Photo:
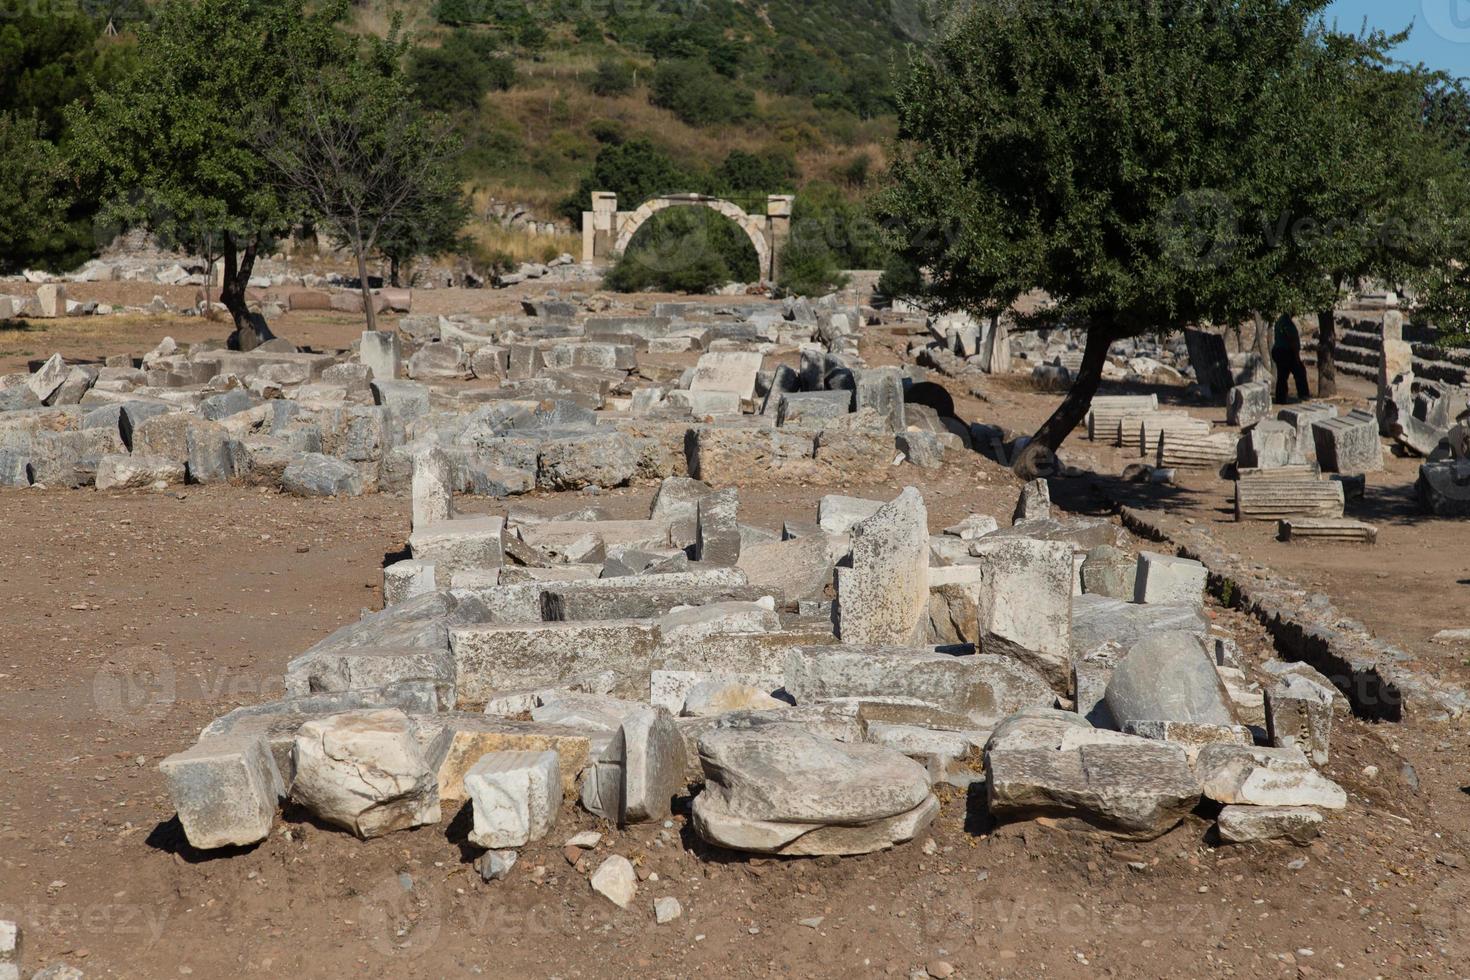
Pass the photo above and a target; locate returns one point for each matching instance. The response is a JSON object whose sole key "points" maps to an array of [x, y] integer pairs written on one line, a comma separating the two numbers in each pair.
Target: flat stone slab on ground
{"points": [[1253, 824], [782, 790], [981, 687], [1170, 581], [733, 371], [1168, 677], [501, 658], [1265, 777], [1129, 787]]}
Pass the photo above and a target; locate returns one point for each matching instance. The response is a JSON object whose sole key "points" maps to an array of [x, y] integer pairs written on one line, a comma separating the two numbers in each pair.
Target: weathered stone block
{"points": [[406, 580], [315, 475], [980, 687], [497, 658], [1169, 581], [1168, 677], [883, 598], [1255, 824], [515, 795], [225, 790], [717, 529], [1299, 714], [365, 772], [129, 472], [1025, 607], [1248, 404], [1349, 444], [471, 542]]}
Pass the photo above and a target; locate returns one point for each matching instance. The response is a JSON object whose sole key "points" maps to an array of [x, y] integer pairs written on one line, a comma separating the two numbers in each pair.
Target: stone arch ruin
{"points": [[607, 232]]}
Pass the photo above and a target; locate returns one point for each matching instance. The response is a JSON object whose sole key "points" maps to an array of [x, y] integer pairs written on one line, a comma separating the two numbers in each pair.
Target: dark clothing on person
{"points": [[1286, 353]]}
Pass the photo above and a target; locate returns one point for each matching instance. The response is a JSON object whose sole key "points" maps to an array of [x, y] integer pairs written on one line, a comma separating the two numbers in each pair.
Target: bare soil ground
{"points": [[132, 619]]}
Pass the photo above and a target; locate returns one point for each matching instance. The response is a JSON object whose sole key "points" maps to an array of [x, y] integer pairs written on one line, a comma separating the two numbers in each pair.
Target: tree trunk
{"points": [[250, 329], [1038, 459], [367, 292], [1326, 354], [1263, 343], [393, 272]]}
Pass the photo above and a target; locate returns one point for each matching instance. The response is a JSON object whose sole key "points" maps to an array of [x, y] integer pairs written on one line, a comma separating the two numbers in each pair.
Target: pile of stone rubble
{"points": [[554, 399], [809, 689], [959, 345]]}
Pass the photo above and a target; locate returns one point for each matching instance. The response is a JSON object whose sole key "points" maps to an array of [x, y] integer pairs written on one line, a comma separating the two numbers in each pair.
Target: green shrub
{"points": [[458, 73], [856, 172], [808, 266], [635, 171], [901, 279], [609, 132], [766, 173], [684, 250], [693, 91], [458, 12], [614, 76]]}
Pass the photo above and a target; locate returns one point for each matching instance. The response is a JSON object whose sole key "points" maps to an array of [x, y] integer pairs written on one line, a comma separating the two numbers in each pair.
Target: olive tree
{"points": [[1132, 161], [172, 143], [369, 164]]}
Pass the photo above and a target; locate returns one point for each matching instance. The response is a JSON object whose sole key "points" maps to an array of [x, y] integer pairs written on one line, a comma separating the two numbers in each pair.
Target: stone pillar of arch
{"points": [[778, 228], [599, 228]]}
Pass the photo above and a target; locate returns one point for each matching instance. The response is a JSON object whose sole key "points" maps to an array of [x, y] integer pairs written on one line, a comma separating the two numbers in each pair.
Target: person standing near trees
{"points": [[1286, 353]]}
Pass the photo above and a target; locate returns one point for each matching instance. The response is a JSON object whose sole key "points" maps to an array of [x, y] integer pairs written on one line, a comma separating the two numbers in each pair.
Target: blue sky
{"points": [[1441, 28]]}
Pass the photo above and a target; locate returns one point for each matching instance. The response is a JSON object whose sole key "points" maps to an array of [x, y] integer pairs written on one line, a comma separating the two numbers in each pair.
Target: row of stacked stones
{"points": [[1039, 666], [959, 344], [1294, 467], [552, 401], [1425, 418]]}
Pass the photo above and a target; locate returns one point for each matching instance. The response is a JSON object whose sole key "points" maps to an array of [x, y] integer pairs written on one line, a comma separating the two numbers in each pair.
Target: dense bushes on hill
{"points": [[697, 94], [458, 73]]}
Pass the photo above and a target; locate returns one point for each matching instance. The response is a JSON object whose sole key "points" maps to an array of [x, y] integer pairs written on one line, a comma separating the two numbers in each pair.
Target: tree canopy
{"points": [[355, 152], [173, 142], [1133, 161]]}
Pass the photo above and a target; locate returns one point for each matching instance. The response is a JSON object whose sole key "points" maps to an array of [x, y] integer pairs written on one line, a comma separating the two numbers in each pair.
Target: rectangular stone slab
{"points": [[498, 658]]}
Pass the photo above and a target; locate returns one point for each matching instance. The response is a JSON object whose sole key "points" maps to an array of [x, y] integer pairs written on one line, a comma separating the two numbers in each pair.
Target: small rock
{"points": [[616, 881], [586, 840], [939, 969], [667, 909], [496, 865]]}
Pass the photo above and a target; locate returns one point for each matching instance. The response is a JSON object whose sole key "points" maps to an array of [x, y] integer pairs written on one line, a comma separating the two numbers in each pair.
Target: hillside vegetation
{"points": [[554, 99], [540, 90]]}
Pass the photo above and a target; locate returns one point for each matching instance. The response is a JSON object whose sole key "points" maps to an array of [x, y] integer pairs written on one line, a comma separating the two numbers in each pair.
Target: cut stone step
{"points": [[1108, 412], [1307, 529], [1188, 450], [1269, 498]]}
